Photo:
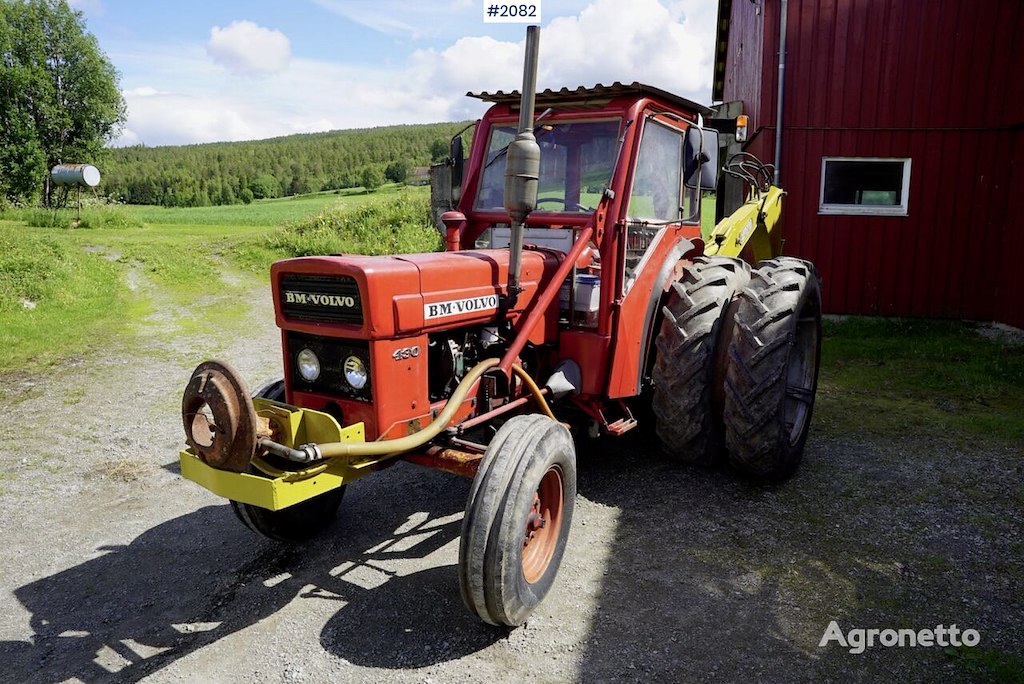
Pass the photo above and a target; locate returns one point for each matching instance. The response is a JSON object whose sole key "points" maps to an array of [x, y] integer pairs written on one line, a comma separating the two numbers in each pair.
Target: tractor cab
{"points": [[626, 162]]}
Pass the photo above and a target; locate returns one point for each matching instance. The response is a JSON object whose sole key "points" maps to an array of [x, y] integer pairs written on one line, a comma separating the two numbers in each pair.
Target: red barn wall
{"points": [[937, 82]]}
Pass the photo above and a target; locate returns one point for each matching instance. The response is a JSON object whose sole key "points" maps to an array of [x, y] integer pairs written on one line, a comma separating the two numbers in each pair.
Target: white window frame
{"points": [[866, 209]]}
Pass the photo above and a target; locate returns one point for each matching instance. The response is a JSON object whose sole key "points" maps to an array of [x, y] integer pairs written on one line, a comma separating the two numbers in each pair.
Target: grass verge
{"points": [[55, 299], [63, 291], [897, 378]]}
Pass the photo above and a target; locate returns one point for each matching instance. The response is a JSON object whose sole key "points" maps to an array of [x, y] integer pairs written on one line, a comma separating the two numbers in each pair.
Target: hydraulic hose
{"points": [[409, 442], [534, 390]]}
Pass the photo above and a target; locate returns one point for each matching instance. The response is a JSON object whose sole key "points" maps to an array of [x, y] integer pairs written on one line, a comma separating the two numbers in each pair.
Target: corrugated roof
{"points": [[595, 96]]}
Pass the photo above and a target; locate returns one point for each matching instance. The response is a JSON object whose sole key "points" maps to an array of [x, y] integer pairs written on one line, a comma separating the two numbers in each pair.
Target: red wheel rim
{"points": [[543, 524]]}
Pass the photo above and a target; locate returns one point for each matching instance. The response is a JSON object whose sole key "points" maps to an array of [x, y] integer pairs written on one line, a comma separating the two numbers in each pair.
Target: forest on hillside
{"points": [[239, 172]]}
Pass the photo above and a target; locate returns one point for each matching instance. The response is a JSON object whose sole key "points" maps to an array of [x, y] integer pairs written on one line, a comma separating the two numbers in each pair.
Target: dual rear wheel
{"points": [[737, 364]]}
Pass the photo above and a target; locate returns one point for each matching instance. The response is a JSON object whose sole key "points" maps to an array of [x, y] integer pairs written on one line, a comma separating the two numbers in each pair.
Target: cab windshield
{"points": [[576, 164]]}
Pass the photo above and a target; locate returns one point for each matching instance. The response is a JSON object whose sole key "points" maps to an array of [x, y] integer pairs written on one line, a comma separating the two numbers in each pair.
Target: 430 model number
{"points": [[406, 353]]}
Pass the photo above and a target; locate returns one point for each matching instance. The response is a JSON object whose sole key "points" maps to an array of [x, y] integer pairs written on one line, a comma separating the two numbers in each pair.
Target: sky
{"points": [[196, 71]]}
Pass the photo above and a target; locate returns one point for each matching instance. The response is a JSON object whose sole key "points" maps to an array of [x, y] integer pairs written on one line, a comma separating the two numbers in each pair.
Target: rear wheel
{"points": [[517, 520], [772, 370], [295, 523], [689, 370]]}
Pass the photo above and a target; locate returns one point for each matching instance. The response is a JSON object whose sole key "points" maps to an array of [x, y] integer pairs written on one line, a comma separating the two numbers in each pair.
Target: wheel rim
{"points": [[543, 524], [801, 374]]}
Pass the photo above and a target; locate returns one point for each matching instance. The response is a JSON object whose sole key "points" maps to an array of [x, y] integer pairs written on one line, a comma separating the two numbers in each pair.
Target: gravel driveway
{"points": [[114, 568]]}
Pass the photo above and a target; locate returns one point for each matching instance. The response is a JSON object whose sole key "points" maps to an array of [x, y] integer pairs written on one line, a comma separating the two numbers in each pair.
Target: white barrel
{"points": [[75, 174]]}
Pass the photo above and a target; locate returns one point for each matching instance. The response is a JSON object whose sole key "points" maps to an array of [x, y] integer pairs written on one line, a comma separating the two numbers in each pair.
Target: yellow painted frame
{"points": [[276, 489]]}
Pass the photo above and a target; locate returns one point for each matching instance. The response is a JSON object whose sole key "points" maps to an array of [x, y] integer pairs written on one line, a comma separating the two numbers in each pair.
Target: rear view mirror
{"points": [[700, 162], [458, 165]]}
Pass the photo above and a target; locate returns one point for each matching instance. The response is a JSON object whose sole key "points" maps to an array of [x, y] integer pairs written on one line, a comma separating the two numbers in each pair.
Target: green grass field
{"points": [[64, 291], [273, 212]]}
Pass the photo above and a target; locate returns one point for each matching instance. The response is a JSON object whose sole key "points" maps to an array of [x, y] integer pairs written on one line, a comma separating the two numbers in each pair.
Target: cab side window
{"points": [[656, 197], [657, 181]]}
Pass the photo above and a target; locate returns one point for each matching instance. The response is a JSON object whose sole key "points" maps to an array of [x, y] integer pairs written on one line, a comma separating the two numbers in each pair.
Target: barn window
{"points": [[864, 186]]}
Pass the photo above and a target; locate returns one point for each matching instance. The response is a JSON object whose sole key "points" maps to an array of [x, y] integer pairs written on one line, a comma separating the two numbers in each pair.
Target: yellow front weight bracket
{"points": [[273, 488]]}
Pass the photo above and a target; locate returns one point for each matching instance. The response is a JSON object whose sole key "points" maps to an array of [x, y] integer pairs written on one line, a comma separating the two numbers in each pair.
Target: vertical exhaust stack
{"points": [[522, 165]]}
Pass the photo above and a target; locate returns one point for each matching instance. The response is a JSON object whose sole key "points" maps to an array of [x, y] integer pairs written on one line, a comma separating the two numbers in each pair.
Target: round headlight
{"points": [[355, 372], [308, 364]]}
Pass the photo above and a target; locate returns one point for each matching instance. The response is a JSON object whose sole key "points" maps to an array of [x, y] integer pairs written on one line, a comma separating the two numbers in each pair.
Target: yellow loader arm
{"points": [[752, 224]]}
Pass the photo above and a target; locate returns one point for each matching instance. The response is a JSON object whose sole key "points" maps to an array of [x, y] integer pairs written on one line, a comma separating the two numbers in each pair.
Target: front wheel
{"points": [[517, 520]]}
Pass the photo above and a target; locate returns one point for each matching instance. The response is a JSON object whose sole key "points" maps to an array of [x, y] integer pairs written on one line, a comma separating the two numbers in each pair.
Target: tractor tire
{"points": [[772, 370], [273, 390], [517, 520], [296, 523], [689, 370]]}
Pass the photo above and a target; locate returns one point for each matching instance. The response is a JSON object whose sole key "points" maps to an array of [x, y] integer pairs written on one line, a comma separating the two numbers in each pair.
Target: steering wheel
{"points": [[564, 203]]}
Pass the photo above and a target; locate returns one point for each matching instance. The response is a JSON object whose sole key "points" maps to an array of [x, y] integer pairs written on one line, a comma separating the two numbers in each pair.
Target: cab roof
{"points": [[594, 96]]}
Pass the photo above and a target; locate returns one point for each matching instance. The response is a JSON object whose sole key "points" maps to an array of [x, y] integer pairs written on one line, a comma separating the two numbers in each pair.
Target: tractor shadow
{"points": [[692, 591], [719, 578], [195, 579]]}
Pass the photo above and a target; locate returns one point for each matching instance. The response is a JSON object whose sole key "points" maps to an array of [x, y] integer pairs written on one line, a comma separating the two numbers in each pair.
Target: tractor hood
{"points": [[394, 296]]}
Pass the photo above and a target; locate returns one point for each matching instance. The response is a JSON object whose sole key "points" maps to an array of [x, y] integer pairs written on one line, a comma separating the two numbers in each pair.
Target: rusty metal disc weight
{"points": [[219, 418]]}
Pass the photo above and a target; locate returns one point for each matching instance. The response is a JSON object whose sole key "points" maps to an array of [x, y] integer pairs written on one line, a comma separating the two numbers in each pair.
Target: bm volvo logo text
{"points": [[317, 299], [460, 306]]}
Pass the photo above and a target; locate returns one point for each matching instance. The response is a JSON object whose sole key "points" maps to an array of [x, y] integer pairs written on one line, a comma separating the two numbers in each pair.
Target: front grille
{"points": [[330, 299], [332, 353]]}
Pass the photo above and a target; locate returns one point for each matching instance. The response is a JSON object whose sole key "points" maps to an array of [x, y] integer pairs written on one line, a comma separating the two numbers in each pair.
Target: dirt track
{"points": [[113, 567]]}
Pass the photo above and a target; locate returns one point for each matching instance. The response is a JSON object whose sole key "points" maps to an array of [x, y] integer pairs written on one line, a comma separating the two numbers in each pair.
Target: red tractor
{"points": [[576, 290]]}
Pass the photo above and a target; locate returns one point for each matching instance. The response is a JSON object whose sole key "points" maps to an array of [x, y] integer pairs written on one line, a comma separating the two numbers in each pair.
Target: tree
{"points": [[438, 150], [396, 172], [264, 186], [58, 90], [372, 177]]}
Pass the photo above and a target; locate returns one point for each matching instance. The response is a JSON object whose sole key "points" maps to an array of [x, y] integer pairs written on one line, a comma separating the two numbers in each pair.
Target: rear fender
{"points": [[669, 272]]}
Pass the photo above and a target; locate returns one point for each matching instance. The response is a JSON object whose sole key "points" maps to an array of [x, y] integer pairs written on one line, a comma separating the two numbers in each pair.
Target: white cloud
{"points": [[189, 100], [166, 118], [249, 49], [649, 42]]}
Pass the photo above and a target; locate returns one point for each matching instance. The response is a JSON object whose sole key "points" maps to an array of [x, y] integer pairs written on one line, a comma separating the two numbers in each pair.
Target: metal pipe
{"points": [[304, 455], [781, 92], [541, 305], [484, 417], [392, 447], [526, 105], [522, 165], [418, 439]]}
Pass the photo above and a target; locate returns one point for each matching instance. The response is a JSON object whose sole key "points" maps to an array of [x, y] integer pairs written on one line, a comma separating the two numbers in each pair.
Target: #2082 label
{"points": [[507, 12]]}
